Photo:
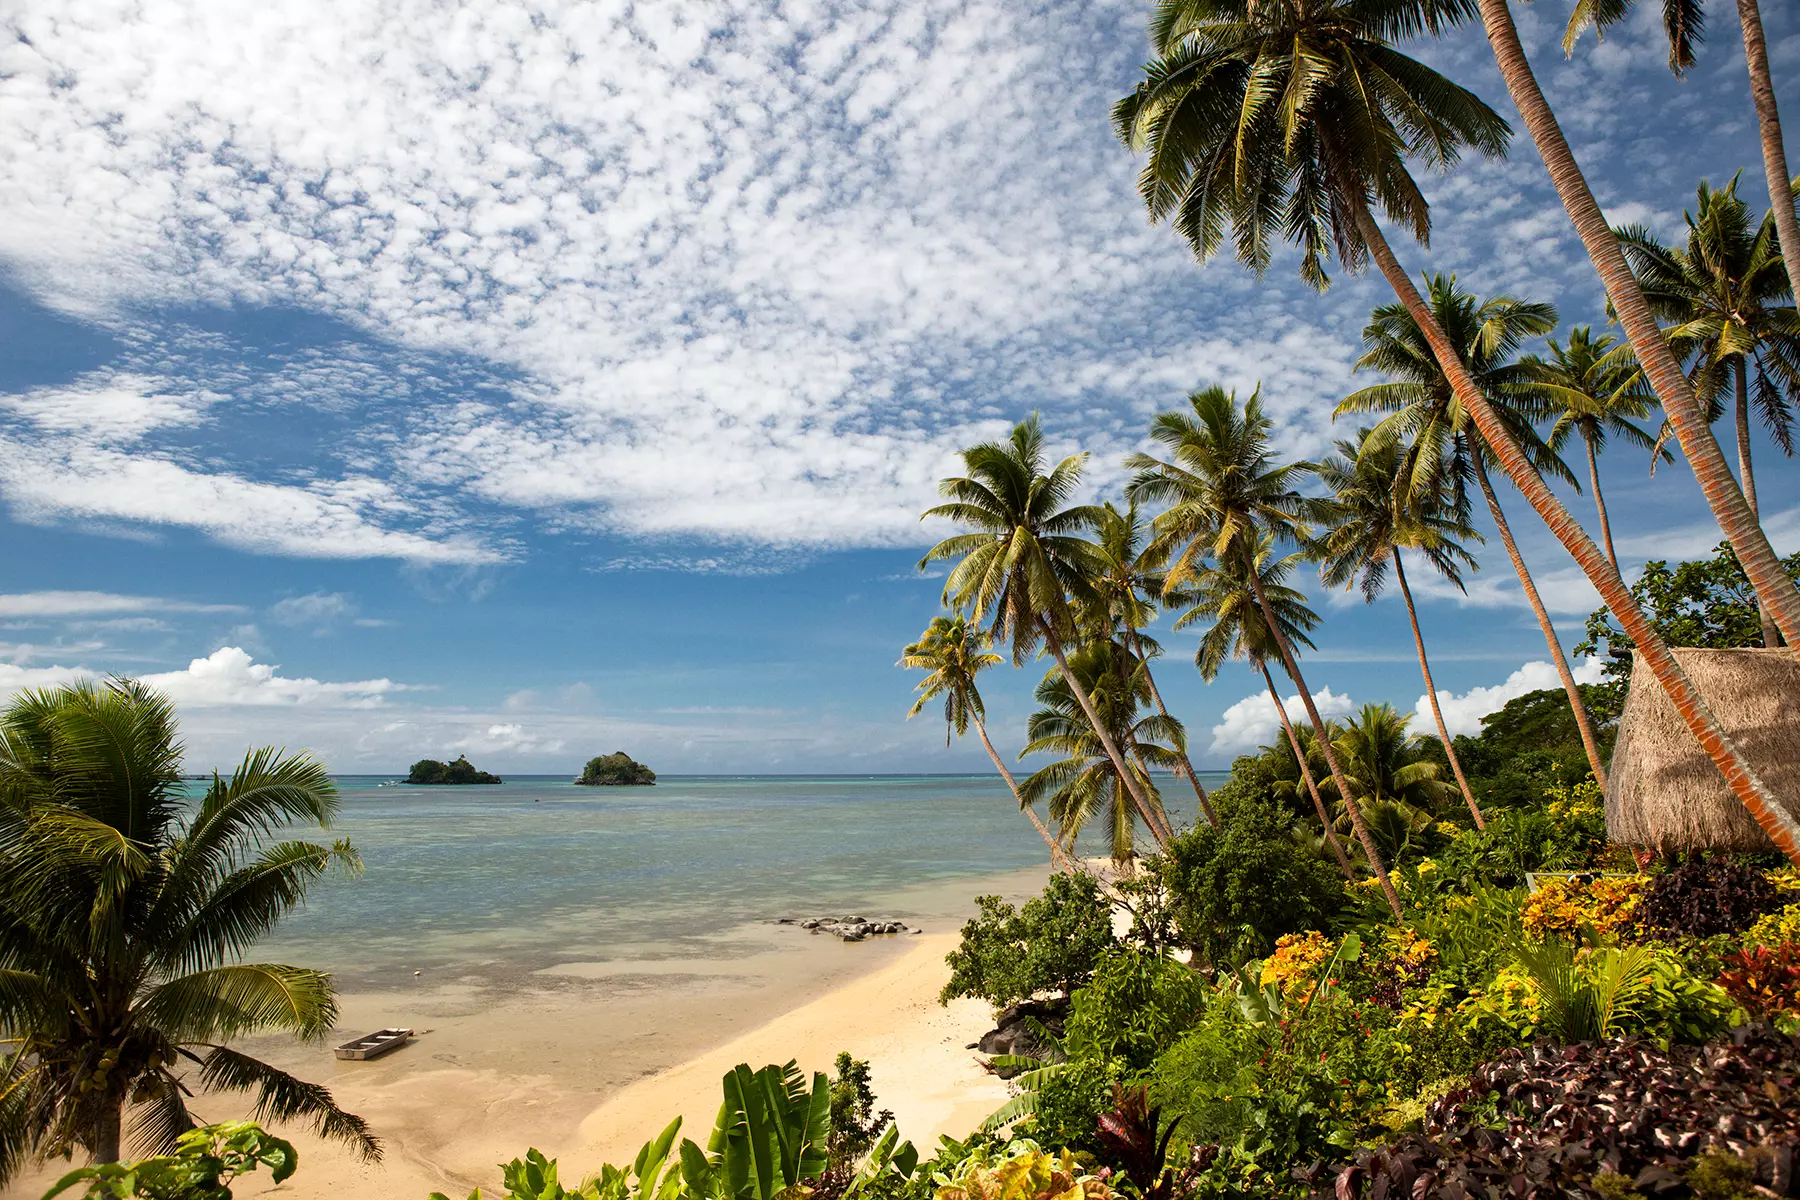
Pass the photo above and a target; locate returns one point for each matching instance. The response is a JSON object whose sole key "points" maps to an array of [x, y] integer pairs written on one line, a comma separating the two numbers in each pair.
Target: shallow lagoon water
{"points": [[499, 880]]}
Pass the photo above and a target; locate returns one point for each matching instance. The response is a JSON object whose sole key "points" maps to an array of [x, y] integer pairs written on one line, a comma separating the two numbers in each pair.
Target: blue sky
{"points": [[534, 381]]}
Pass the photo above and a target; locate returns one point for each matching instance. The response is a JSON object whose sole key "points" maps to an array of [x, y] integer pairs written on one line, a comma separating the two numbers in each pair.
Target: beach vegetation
{"points": [[127, 911], [430, 771], [201, 1165], [1050, 945], [615, 770]]}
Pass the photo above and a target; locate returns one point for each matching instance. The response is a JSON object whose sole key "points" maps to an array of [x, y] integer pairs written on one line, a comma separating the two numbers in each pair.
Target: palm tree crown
{"points": [[1372, 518], [1426, 416], [953, 652], [1286, 120], [1026, 556], [1084, 783], [1221, 598], [125, 912]]}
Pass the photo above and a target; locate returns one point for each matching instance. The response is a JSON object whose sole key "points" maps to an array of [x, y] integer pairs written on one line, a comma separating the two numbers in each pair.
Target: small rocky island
{"points": [[431, 771], [616, 770]]}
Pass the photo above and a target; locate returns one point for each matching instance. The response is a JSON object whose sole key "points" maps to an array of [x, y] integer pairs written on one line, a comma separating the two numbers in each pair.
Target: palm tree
{"points": [[1600, 392], [1721, 296], [1685, 412], [1127, 583], [124, 915], [1226, 493], [1684, 22], [1084, 782], [1025, 559], [1222, 598], [1442, 449], [1286, 121], [1374, 518], [954, 652], [1387, 765]]}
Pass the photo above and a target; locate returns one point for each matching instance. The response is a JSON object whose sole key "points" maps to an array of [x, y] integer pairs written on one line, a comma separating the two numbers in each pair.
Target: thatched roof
{"points": [[1663, 791]]}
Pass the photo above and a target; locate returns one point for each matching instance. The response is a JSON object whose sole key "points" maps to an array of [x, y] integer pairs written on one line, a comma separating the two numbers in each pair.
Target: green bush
{"points": [[1069, 1105], [1134, 1007], [201, 1166], [1052, 944], [1234, 888]]}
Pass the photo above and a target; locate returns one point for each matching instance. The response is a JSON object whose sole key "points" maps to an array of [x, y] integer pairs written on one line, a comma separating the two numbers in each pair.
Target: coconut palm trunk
{"points": [[1058, 856], [1584, 722], [1137, 752], [1187, 766], [1331, 759], [1593, 457], [107, 1132], [1749, 788], [1437, 713], [1331, 838], [1107, 743], [1740, 377], [1768, 121], [1723, 494]]}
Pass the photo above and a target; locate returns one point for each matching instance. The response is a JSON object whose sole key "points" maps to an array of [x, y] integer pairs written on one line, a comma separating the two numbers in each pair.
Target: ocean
{"points": [[510, 878]]}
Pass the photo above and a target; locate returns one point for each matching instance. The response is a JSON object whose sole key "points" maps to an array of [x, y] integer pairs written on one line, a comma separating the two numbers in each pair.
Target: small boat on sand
{"points": [[374, 1045]]}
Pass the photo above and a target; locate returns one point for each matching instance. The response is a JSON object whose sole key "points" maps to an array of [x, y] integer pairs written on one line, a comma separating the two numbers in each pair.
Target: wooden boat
{"points": [[374, 1045]]}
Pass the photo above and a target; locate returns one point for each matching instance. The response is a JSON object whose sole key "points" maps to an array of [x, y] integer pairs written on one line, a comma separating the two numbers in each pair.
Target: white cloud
{"points": [[71, 604], [1564, 589], [229, 677], [1253, 721], [314, 610], [1462, 714]]}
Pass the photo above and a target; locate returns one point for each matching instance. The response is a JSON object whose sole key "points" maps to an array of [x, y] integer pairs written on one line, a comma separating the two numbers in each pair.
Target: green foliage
{"points": [[615, 770], [1067, 1102], [772, 1133], [431, 771], [128, 916], [1020, 1171], [1234, 888], [1052, 944], [1705, 602], [201, 1166], [855, 1125], [1134, 1007]]}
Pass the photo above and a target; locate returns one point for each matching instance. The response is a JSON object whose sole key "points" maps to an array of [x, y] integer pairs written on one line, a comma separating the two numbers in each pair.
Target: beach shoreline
{"points": [[586, 1060]]}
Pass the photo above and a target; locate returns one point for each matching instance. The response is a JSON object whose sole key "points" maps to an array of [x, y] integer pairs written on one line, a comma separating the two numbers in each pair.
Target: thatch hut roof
{"points": [[1663, 790]]}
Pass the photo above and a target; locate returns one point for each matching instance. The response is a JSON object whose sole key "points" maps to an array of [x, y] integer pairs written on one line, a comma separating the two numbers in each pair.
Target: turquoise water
{"points": [[536, 871]]}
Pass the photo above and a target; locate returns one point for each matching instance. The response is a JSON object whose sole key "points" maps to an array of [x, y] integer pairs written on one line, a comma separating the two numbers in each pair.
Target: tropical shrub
{"points": [[1566, 907], [1705, 897], [1021, 1171], [1544, 1123], [1068, 1101], [1775, 928], [1764, 981], [1137, 1139], [1567, 995], [1296, 961], [200, 1166], [1051, 944], [1134, 1007], [854, 1122], [1235, 888]]}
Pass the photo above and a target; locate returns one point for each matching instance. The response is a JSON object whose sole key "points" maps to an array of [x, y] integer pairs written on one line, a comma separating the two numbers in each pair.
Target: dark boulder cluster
{"points": [[1021, 1029], [849, 929]]}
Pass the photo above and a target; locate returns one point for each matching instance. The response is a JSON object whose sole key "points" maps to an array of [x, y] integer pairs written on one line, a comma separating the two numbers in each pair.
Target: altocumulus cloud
{"points": [[754, 271]]}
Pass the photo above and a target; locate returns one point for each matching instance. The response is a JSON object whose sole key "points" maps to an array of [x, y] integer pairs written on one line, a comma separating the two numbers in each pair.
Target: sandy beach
{"points": [[586, 1060]]}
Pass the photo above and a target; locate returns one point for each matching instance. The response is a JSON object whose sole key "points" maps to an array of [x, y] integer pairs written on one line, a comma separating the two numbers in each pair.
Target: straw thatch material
{"points": [[1663, 791]]}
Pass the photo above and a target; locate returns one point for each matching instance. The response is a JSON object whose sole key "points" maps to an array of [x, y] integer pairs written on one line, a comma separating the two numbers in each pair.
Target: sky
{"points": [[398, 379]]}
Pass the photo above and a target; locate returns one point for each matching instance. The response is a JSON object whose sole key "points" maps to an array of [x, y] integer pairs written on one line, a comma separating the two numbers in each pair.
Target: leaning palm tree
{"points": [[1084, 783], [1292, 122], [1128, 583], [1221, 598], [1442, 447], [125, 914], [1599, 392], [1373, 519], [1686, 413], [1722, 296], [1025, 559], [1225, 493], [1684, 21], [954, 652]]}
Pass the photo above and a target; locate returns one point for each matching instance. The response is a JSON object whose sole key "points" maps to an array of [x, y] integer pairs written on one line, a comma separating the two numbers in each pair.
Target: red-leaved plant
{"points": [[1764, 981]]}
